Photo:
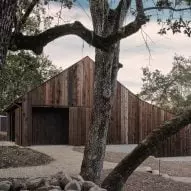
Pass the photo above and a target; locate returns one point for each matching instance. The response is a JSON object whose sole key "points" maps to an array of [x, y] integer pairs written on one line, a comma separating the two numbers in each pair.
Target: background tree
{"points": [[22, 72], [25, 70], [107, 32], [171, 91]]}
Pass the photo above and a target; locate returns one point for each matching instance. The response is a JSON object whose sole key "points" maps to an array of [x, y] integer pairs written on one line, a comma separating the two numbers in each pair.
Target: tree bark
{"points": [[119, 175], [107, 65], [7, 14]]}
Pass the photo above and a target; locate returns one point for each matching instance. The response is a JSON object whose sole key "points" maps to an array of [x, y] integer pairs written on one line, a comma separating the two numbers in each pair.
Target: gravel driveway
{"points": [[65, 160]]}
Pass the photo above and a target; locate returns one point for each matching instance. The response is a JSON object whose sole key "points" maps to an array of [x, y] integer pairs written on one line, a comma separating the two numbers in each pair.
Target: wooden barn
{"points": [[3, 123], [59, 112]]}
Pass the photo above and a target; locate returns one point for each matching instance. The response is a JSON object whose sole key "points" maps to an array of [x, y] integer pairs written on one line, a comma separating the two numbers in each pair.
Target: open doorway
{"points": [[50, 125]]}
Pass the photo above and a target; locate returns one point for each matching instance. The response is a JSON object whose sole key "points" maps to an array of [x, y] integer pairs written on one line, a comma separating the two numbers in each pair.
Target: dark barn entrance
{"points": [[50, 125]]}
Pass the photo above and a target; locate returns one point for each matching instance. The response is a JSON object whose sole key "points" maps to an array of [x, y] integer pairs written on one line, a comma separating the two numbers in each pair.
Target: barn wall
{"points": [[144, 117], [18, 126], [3, 123], [132, 118], [26, 118], [79, 122], [72, 87]]}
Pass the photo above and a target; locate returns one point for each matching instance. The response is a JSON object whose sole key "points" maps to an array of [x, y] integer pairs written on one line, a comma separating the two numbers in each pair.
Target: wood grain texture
{"points": [[132, 119]]}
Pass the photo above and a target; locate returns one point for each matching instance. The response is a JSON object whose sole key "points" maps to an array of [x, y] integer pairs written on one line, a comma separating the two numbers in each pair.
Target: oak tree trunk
{"points": [[7, 14], [105, 81]]}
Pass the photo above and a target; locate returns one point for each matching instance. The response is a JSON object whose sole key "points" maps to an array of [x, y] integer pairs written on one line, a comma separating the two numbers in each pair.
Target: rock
{"points": [[73, 185], [96, 188], [87, 185], [58, 175], [144, 169], [64, 180], [165, 176], [5, 185], [155, 172], [34, 183], [77, 177], [47, 188], [54, 181], [19, 185]]}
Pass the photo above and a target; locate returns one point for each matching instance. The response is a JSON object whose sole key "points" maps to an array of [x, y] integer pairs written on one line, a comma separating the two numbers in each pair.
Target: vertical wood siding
{"points": [[132, 118], [3, 123]]}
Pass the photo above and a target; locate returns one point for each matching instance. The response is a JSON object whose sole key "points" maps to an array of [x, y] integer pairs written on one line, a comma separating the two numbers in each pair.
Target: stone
{"points": [[5, 185], [34, 183], [155, 172], [87, 185], [19, 185], [54, 181], [165, 176], [73, 185], [64, 180], [77, 177], [96, 188], [47, 188], [144, 169]]}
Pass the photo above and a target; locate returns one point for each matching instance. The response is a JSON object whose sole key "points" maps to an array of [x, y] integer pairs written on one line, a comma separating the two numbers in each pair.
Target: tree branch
{"points": [[121, 11], [119, 175], [26, 15], [36, 43], [167, 8], [127, 30]]}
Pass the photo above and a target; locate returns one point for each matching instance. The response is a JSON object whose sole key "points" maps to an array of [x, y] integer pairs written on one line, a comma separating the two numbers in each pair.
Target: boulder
{"points": [[64, 180], [34, 183], [78, 178], [48, 188], [54, 181], [5, 185], [19, 185], [73, 185], [96, 188], [155, 172], [87, 185]]}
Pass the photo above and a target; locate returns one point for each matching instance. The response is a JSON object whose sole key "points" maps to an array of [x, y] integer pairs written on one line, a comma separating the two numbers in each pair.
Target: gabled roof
{"points": [[19, 100]]}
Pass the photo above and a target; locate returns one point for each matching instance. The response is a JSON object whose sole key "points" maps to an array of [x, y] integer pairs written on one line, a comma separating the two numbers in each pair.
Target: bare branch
{"points": [[167, 8], [127, 30], [37, 42], [26, 15], [121, 11]]}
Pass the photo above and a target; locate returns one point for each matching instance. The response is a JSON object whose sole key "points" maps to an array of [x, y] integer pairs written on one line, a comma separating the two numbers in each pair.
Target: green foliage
{"points": [[23, 72], [171, 91]]}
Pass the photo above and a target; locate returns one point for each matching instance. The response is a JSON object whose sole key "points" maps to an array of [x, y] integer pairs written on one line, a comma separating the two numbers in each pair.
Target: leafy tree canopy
{"points": [[25, 70], [170, 91]]}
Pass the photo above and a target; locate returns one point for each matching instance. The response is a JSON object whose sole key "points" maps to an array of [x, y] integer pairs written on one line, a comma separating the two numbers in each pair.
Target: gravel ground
{"points": [[173, 168], [140, 181], [69, 161], [14, 156], [65, 159]]}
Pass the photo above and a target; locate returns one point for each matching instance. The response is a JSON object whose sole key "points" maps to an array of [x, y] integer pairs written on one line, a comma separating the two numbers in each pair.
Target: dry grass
{"points": [[14, 156]]}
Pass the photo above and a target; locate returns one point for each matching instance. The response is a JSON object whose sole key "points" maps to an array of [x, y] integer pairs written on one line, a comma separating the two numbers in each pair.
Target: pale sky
{"points": [[134, 55]]}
